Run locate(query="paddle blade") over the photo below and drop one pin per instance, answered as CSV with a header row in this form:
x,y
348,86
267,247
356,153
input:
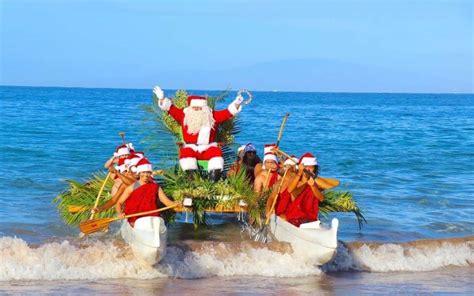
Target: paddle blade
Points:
x,y
77,209
326,183
95,225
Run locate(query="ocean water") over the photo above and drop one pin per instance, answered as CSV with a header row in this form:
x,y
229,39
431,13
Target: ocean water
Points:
x,y
407,159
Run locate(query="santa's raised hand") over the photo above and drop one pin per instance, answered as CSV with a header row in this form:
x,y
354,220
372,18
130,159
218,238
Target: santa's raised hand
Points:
x,y
163,103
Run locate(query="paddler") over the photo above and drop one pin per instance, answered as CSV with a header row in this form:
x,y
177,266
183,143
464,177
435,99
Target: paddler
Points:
x,y
199,125
128,170
269,173
116,162
237,165
143,195
249,161
299,202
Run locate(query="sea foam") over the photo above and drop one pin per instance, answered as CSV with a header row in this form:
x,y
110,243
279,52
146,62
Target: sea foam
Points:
x,y
112,259
421,255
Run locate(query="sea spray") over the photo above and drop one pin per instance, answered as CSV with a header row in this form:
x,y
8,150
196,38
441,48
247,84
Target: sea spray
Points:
x,y
420,255
95,259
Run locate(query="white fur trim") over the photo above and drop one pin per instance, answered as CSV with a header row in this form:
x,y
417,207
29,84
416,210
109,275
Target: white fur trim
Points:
x,y
122,151
198,103
233,110
200,148
215,163
291,161
165,105
204,135
188,163
144,168
122,168
307,161
270,157
133,161
268,149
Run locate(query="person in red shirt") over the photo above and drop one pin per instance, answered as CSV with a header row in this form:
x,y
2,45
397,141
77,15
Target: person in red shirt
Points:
x,y
199,125
142,196
299,202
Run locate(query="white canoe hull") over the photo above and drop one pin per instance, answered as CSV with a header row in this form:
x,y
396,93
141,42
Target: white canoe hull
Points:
x,y
147,239
310,240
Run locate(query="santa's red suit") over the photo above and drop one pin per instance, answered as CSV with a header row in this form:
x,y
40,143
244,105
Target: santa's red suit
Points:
x,y
201,145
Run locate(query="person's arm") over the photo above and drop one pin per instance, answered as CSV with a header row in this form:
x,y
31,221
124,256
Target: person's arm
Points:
x,y
112,201
233,109
294,182
165,104
315,189
109,162
165,200
258,184
125,179
121,201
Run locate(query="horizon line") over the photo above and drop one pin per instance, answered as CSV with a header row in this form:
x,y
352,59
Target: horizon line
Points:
x,y
227,89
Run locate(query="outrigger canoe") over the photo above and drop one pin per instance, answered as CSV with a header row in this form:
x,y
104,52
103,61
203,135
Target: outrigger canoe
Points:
x,y
310,240
147,238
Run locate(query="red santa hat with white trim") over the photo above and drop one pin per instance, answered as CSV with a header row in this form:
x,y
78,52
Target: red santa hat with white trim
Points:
x,y
293,160
308,159
268,148
124,149
121,165
133,159
143,165
197,101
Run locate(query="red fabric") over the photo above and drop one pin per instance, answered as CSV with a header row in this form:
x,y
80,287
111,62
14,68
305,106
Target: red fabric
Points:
x,y
284,199
142,199
303,209
219,117
273,179
205,155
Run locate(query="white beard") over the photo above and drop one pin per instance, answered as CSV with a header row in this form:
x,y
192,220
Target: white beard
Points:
x,y
197,119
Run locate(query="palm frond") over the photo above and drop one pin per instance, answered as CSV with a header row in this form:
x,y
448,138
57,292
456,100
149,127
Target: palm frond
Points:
x,y
337,201
84,195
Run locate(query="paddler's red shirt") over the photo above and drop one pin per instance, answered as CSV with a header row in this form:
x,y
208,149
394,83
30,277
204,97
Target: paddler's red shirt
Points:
x,y
142,199
303,209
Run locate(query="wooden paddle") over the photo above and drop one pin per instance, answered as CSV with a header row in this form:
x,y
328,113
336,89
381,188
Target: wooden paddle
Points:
x,y
282,127
276,197
98,195
122,135
91,226
323,182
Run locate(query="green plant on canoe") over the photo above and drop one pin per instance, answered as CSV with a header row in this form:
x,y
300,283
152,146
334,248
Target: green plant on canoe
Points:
x,y
224,194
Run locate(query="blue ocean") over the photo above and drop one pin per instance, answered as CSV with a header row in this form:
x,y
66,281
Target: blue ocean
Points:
x,y
406,158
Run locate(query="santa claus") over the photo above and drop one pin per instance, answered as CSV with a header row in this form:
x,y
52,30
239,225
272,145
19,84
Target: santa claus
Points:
x,y
199,126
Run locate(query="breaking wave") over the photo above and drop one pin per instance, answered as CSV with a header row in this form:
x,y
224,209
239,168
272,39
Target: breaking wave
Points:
x,y
95,259
420,255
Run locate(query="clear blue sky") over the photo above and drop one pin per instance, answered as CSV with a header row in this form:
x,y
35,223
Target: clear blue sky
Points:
x,y
374,46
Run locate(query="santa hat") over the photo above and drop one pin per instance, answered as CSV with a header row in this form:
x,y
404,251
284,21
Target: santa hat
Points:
x,y
133,159
139,154
197,101
143,165
293,160
308,159
121,165
123,150
270,156
268,148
